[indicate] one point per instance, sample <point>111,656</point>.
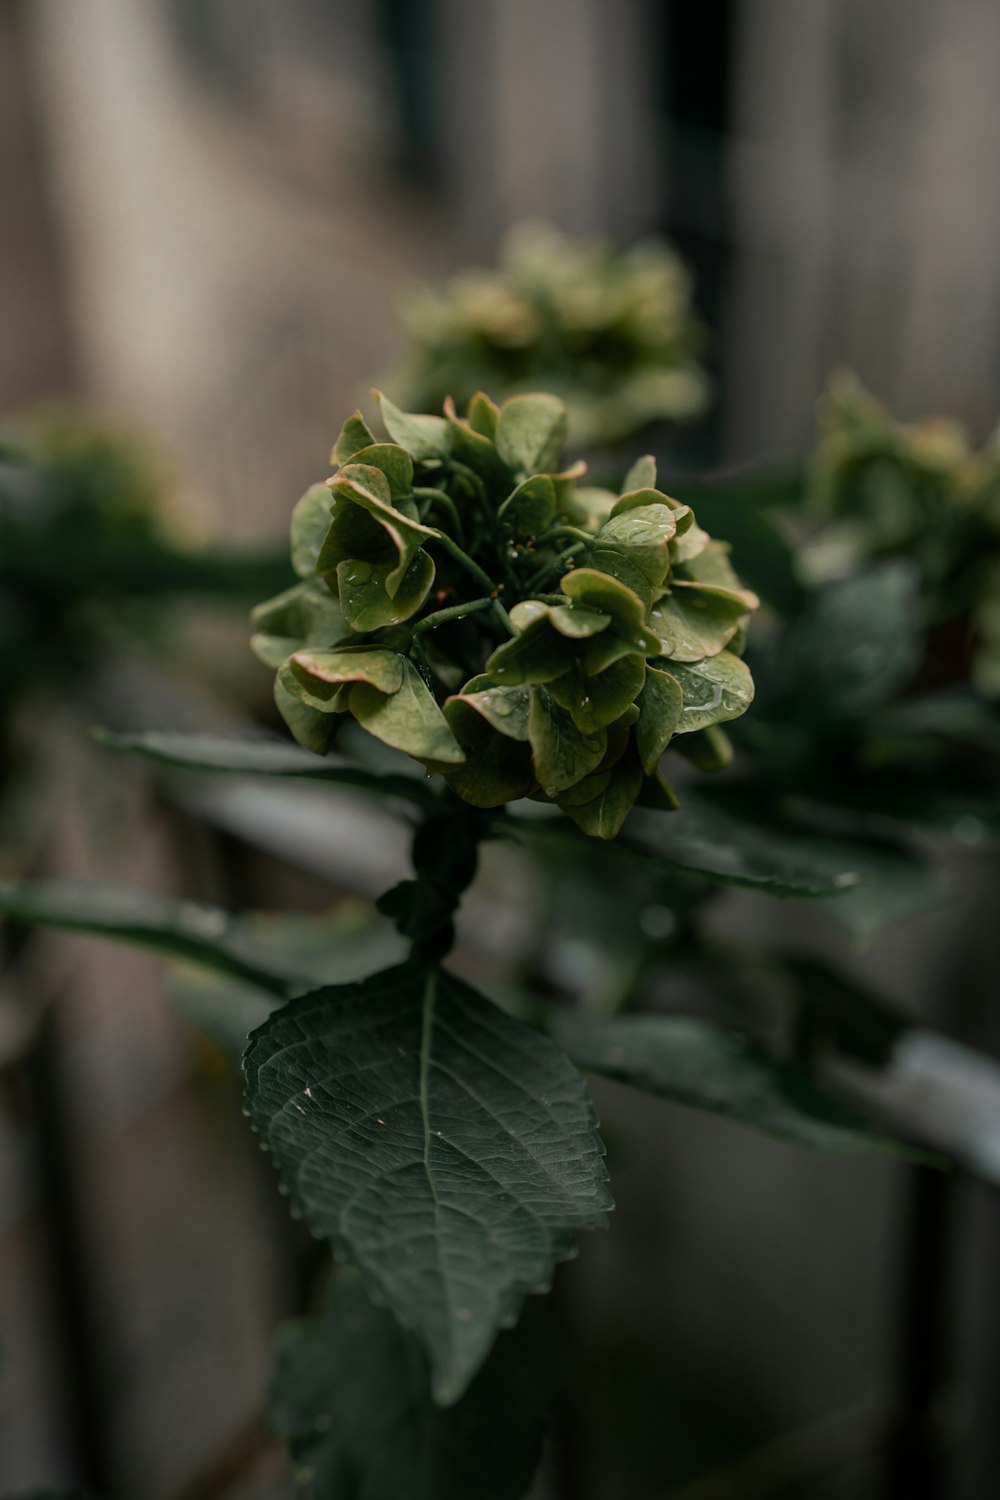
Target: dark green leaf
<point>531,431</point>
<point>698,1063</point>
<point>354,435</point>
<point>443,1147</point>
<point>562,753</point>
<point>661,704</point>
<point>641,476</point>
<point>255,757</point>
<point>310,724</point>
<point>856,644</point>
<point>602,815</point>
<point>175,929</point>
<point>715,690</point>
<point>531,507</point>
<point>352,1398</point>
<point>408,719</point>
<point>310,524</point>
<point>709,841</point>
<point>423,437</point>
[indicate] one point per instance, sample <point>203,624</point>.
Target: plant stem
<point>541,575</point>
<point>584,537</point>
<point>439,498</point>
<point>453,612</point>
<point>466,562</point>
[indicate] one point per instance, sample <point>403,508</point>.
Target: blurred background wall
<point>208,208</point>
<point>235,191</point>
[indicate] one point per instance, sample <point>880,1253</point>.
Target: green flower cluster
<point>920,491</point>
<point>468,602</point>
<point>611,332</point>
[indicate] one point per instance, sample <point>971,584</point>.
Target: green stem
<point>465,561</point>
<point>550,569</point>
<point>574,531</point>
<point>453,612</point>
<point>436,497</point>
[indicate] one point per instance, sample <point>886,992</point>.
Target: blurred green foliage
<point>611,332</point>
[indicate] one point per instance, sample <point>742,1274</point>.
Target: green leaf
<point>595,590</point>
<point>257,757</point>
<point>408,719</point>
<point>530,508</point>
<point>380,667</point>
<point>423,437</point>
<point>641,476</point>
<point>364,487</point>
<point>573,621</point>
<point>714,690</point>
<point>709,841</point>
<point>394,462</point>
<point>595,702</point>
<point>175,929</point>
<point>308,612</point>
<point>537,654</point>
<point>496,770</point>
<point>562,754</point>
<point>482,415</point>
<point>351,1396</point>
<point>476,452</point>
<point>374,595</point>
<point>731,508</point>
<point>856,644</point>
<point>661,704</point>
<point>491,725</point>
<point>443,1147</point>
<point>644,532</point>
<point>696,620</point>
<point>310,524</point>
<point>354,435</point>
<point>310,726</point>
<point>505,708</point>
<point>531,432</point>
<point>602,815</point>
<point>698,1063</point>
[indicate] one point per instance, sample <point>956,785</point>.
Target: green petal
<point>423,437</point>
<point>310,524</point>
<point>595,702</point>
<point>715,690</point>
<point>310,727</point>
<point>661,704</point>
<point>530,508</point>
<point>531,431</point>
<point>538,654</point>
<point>504,708</point>
<point>318,670</point>
<point>603,814</point>
<point>562,754</point>
<point>354,435</point>
<point>696,620</point>
<point>365,595</point>
<point>408,719</point>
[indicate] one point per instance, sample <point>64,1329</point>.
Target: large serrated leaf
<point>351,1397</point>
<point>697,1063</point>
<point>446,1149</point>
